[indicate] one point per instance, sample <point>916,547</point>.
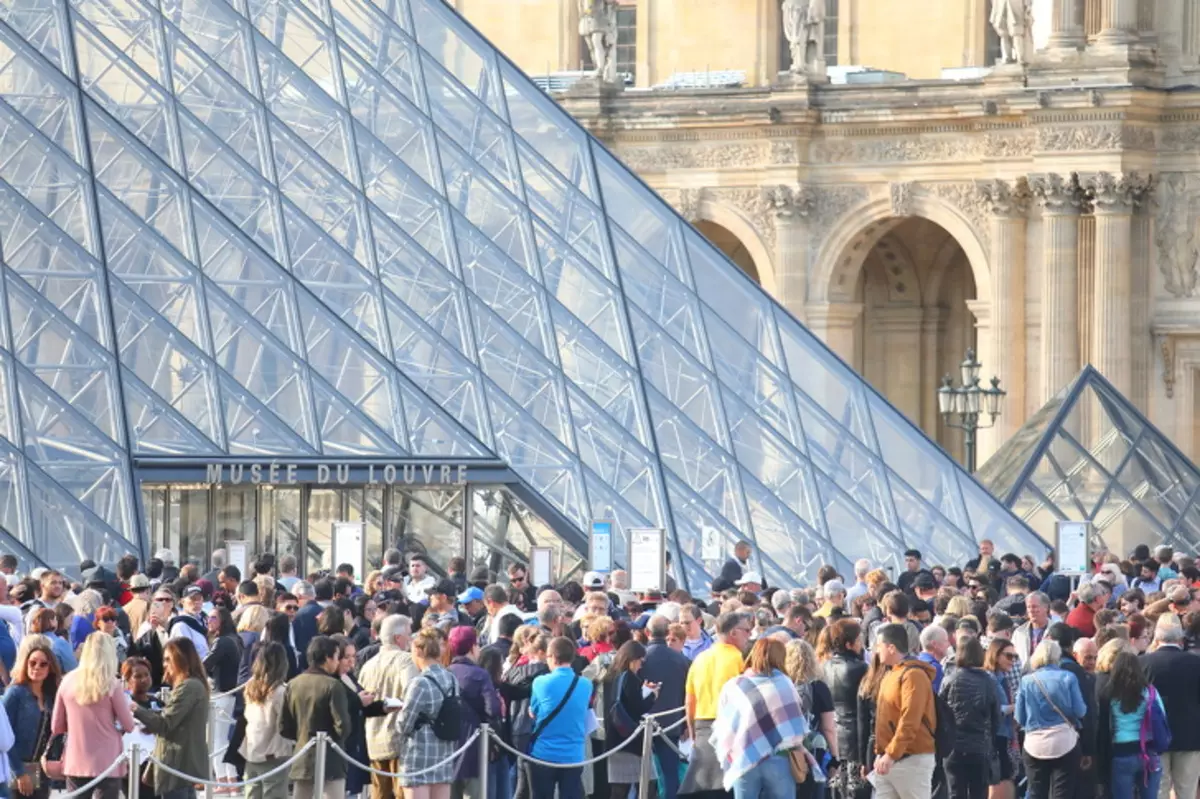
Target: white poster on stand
<point>541,565</point>
<point>647,558</point>
<point>235,553</point>
<point>348,546</point>
<point>601,547</point>
<point>1073,547</point>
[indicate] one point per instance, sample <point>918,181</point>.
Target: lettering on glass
<point>276,473</point>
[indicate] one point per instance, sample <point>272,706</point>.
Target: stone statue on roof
<point>598,27</point>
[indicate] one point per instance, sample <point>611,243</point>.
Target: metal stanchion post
<point>212,746</point>
<point>319,766</point>
<point>134,784</point>
<point>483,760</point>
<point>647,758</point>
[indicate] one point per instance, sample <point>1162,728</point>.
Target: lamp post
<point>961,406</point>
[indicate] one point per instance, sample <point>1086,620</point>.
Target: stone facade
<point>1074,210</point>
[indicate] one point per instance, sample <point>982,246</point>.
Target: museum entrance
<point>325,523</point>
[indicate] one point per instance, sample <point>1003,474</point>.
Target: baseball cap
<point>924,580</point>
<point>445,588</point>
<point>668,609</point>
<point>38,572</point>
<point>750,577</point>
<point>139,582</point>
<point>482,574</point>
<point>593,580</point>
<point>779,628</point>
<point>472,594</point>
<point>392,574</point>
<point>192,590</point>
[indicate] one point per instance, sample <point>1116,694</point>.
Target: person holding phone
<point>635,697</point>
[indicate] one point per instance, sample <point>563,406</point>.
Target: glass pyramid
<point>352,228</point>
<point>1090,455</point>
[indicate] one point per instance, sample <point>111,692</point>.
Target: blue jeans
<point>770,779</point>
<point>668,762</point>
<point>544,779</point>
<point>1129,779</point>
<point>499,776</point>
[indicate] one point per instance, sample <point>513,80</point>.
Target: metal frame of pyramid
<point>1090,455</point>
<point>352,229</point>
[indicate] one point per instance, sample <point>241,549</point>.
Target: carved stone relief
<point>918,148</point>
<point>696,155</point>
<point>789,201</point>
<point>901,196</point>
<point>1006,199</point>
<point>1175,236</point>
<point>966,197</point>
<point>754,207</point>
<point>1092,138</point>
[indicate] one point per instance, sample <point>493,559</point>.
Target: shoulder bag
<point>553,714</point>
<point>1051,743</point>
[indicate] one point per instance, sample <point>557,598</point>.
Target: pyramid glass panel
<point>351,231</point>
<point>1091,455</point>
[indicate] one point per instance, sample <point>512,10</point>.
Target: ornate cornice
<point>1117,194</point>
<point>1058,195</point>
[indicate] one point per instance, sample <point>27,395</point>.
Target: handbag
<point>52,759</point>
<point>623,723</point>
<point>1051,743</point>
<point>798,762</point>
<point>1156,732</point>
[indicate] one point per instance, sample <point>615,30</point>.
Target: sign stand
<point>647,558</point>
<point>1073,547</point>
<point>600,547</point>
<point>541,566</point>
<point>348,546</point>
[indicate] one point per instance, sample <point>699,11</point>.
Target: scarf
<point>757,716</point>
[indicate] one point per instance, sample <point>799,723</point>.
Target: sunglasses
<point>39,664</point>
<point>291,608</point>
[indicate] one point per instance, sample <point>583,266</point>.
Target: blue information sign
<point>601,554</point>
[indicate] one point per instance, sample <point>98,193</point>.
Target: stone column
<point>1114,198</point>
<point>792,205</point>
<point>1062,200</point>
<point>1066,25</point>
<point>1009,205</point>
<point>1118,22</point>
<point>836,323</point>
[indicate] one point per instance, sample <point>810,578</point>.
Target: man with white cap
<point>750,581</point>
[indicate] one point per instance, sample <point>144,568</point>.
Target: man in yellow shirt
<point>711,669</point>
<point>835,597</point>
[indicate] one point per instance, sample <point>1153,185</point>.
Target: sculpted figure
<point>804,28</point>
<point>598,27</point>
<point>1010,20</point>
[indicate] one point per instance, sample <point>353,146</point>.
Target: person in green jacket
<point>316,702</point>
<point>182,725</point>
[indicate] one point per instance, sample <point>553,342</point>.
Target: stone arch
<point>735,221</point>
<point>855,234</point>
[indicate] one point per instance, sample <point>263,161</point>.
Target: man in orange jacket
<point>905,720</point>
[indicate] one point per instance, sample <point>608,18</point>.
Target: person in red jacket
<point>1092,597</point>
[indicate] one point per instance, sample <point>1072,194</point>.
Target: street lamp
<point>968,402</point>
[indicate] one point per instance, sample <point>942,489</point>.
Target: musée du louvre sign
<point>276,473</point>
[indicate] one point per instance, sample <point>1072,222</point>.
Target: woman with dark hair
<point>45,622</point>
<point>105,621</point>
<point>279,630</point>
<point>182,724</point>
<point>1125,700</point>
<point>263,747</point>
<point>28,703</point>
<point>970,692</point>
<point>624,687</point>
<point>331,621</point>
<point>364,613</point>
<point>362,704</point>
<point>843,673</point>
<point>222,663</point>
<point>868,698</point>
<point>1000,662</point>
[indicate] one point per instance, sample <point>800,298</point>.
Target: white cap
<point>38,572</point>
<point>750,577</point>
<point>593,580</point>
<point>668,609</point>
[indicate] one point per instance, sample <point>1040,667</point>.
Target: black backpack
<point>447,724</point>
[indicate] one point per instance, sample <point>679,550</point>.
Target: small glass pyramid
<point>351,228</point>
<point>1090,455</point>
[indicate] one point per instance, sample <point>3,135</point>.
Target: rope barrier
<point>612,751</point>
<point>198,781</point>
<point>661,713</point>
<point>230,692</point>
<point>453,756</point>
<point>85,789</point>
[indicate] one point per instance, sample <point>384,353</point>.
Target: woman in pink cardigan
<point>90,705</point>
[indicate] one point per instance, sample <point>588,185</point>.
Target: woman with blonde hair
<point>92,707</point>
<point>599,632</point>
<point>816,701</point>
<point>1050,710</point>
<point>958,606</point>
<point>28,704</point>
<point>423,700</point>
<point>263,747</point>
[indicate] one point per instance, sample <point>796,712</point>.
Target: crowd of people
<point>998,678</point>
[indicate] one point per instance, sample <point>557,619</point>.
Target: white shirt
<point>494,625</point>
<point>11,615</point>
<point>183,630</point>
<point>419,591</point>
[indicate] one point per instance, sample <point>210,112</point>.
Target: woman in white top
<point>263,747</point>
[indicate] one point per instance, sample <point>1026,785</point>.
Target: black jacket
<point>516,686</point>
<point>669,668</point>
<point>1087,687</point>
<point>304,629</point>
<point>971,694</point>
<point>866,731</point>
<point>635,705</point>
<point>842,673</point>
<point>1175,674</point>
